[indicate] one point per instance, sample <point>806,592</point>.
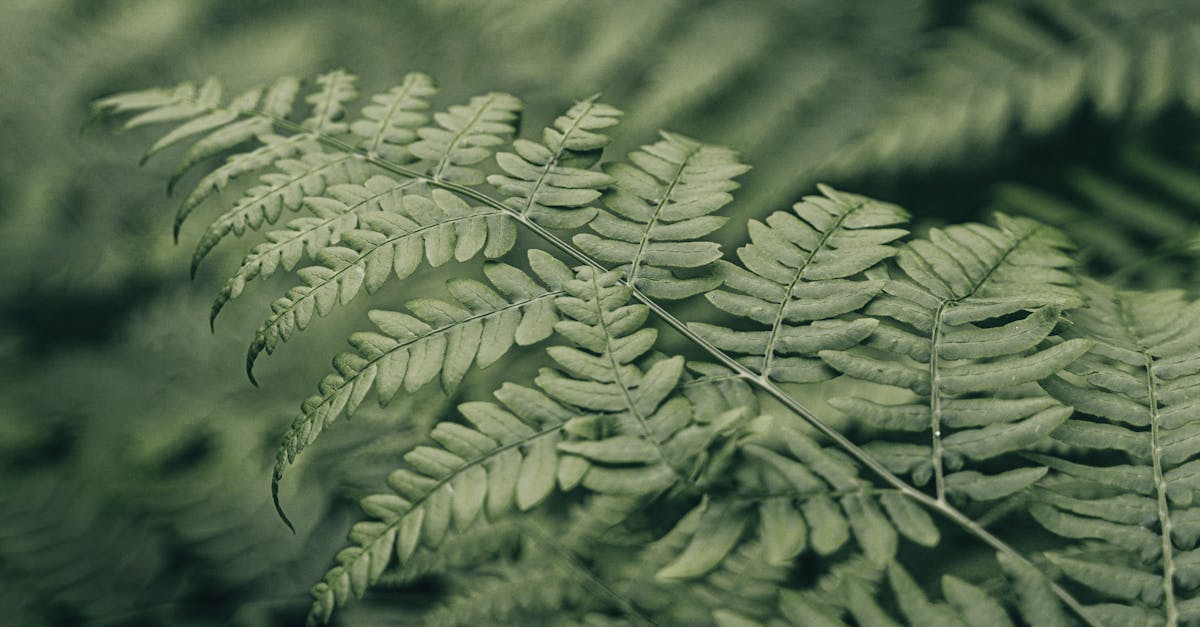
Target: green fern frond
<point>465,136</point>
<point>335,91</point>
<point>601,423</point>
<point>965,604</point>
<point>389,122</point>
<point>1138,394</point>
<point>947,328</point>
<point>1030,64</point>
<point>441,339</point>
<point>804,499</point>
<point>658,210</point>
<point>387,119</point>
<point>797,280</point>
<point>394,241</point>
<point>282,190</point>
<point>550,182</point>
<point>968,325</point>
<point>333,215</point>
<point>1131,221</point>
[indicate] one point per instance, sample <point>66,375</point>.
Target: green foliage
<point>1132,220</point>
<point>795,271</point>
<point>973,376</point>
<point>958,420</point>
<point>609,419</point>
<point>658,210</point>
<point>1135,394</point>
<point>1032,64</point>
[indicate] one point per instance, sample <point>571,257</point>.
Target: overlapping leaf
<point>440,339</point>
<point>393,241</point>
<point>658,209</point>
<point>334,213</point>
<point>965,605</point>
<point>600,422</point>
<point>1138,397</point>
<point>550,182</point>
<point>969,324</point>
<point>804,498</point>
<point>799,279</point>
<point>465,135</point>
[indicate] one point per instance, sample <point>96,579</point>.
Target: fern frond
<point>274,148</point>
<point>394,241</point>
<point>972,312</point>
<point>965,603</point>
<point>1030,64</point>
<point>283,189</point>
<point>803,499</point>
<point>385,125</point>
<point>658,209</point>
<point>336,90</point>
<point>550,182</point>
<point>439,339</point>
<point>601,423</point>
<point>465,136</point>
<point>1131,221</point>
<point>333,215</point>
<point>1138,394</point>
<point>389,122</point>
<point>797,280</point>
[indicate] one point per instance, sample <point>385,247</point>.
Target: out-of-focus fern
<point>1133,221</point>
<point>1030,64</point>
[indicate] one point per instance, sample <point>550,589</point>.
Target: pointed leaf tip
<point>251,355</point>
<point>278,506</point>
<point>212,316</point>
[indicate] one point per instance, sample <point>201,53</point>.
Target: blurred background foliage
<point>135,457</point>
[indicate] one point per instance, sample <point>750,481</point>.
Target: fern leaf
<point>335,90</point>
<point>550,182</point>
<point>796,279</point>
<point>814,501</point>
<point>464,137</point>
<point>387,243</point>
<point>389,122</point>
<point>386,125</point>
<point>1138,392</point>
<point>657,212</point>
<point>274,148</point>
<point>941,314</point>
<point>513,456</point>
<point>248,116</point>
<point>304,237</point>
<point>439,339</point>
<point>1132,221</point>
<point>284,189</point>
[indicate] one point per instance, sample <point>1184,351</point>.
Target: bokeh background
<point>135,456</point>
